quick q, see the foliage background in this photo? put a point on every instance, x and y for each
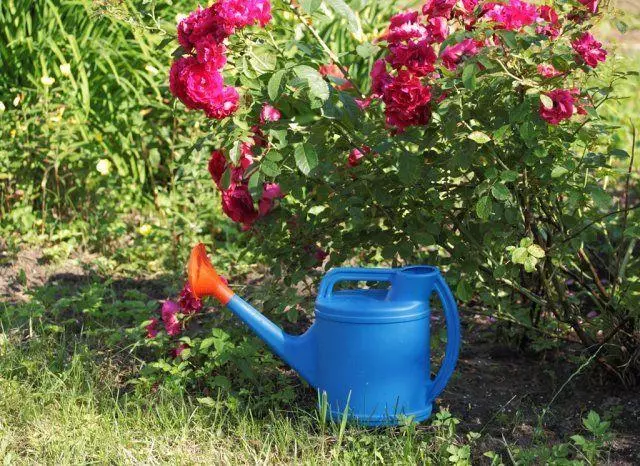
(140, 219)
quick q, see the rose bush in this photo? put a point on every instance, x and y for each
(465, 134)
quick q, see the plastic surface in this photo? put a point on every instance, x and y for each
(203, 278)
(369, 348)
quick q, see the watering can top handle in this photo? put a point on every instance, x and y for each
(453, 338)
(352, 274)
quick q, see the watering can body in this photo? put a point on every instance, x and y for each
(368, 351)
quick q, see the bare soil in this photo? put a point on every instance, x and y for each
(497, 389)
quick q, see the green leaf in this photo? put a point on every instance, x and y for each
(501, 132)
(235, 152)
(262, 60)
(601, 198)
(367, 49)
(317, 209)
(621, 26)
(206, 343)
(546, 101)
(632, 232)
(530, 264)
(479, 137)
(500, 192)
(409, 169)
(353, 22)
(526, 242)
(269, 168)
(225, 179)
(536, 251)
(206, 401)
(310, 6)
(519, 255)
(318, 87)
(275, 84)
(469, 76)
(255, 185)
(557, 172)
(484, 208)
(508, 176)
(306, 158)
(527, 132)
(578, 440)
(464, 292)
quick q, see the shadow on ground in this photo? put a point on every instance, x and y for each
(497, 390)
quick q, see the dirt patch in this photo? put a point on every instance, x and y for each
(502, 391)
(497, 389)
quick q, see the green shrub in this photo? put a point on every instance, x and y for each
(533, 221)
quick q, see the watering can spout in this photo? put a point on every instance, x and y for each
(297, 351)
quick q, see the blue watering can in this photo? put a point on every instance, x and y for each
(368, 349)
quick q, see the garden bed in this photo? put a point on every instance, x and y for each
(497, 390)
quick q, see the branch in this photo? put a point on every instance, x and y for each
(325, 47)
(599, 219)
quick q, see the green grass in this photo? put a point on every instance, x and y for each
(66, 409)
(72, 393)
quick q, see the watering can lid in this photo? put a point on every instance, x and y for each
(368, 306)
(407, 297)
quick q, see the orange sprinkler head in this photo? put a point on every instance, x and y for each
(204, 279)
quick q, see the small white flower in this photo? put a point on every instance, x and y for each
(16, 100)
(65, 69)
(103, 166)
(2, 108)
(47, 81)
(152, 69)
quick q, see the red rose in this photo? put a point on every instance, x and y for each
(562, 108)
(417, 57)
(407, 101)
(237, 204)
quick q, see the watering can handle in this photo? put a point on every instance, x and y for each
(352, 274)
(453, 337)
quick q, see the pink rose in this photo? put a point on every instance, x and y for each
(270, 192)
(438, 8)
(223, 104)
(237, 204)
(406, 17)
(417, 57)
(200, 87)
(242, 13)
(356, 154)
(363, 103)
(592, 5)
(406, 32)
(552, 28)
(188, 302)
(465, 13)
(562, 108)
(269, 113)
(512, 16)
(437, 29)
(589, 49)
(217, 166)
(453, 54)
(379, 77)
(406, 101)
(208, 50)
(201, 23)
(177, 351)
(152, 330)
(548, 71)
(170, 318)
